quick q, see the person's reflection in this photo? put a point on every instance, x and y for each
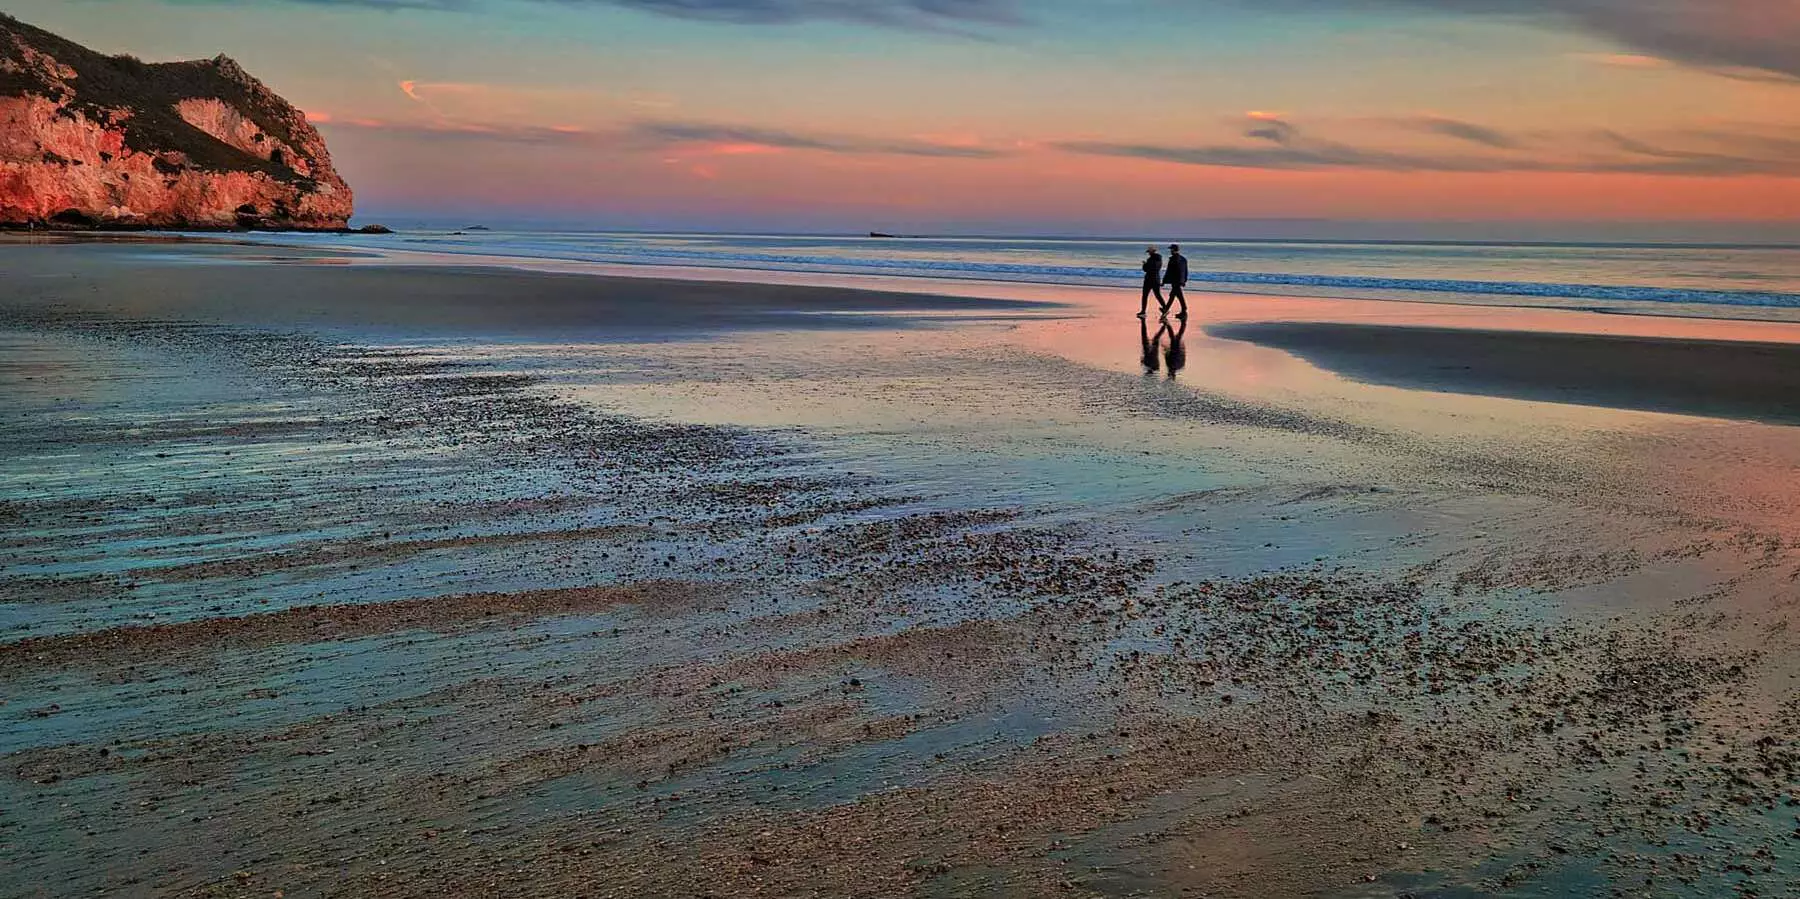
(1150, 345)
(1175, 355)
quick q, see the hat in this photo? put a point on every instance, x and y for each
(1175, 246)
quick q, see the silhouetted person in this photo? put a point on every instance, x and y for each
(1150, 360)
(1153, 266)
(1175, 355)
(1176, 278)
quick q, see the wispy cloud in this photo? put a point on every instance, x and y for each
(1721, 35)
(439, 5)
(1729, 37)
(700, 137)
(1282, 145)
(1465, 131)
(1267, 141)
(1645, 62)
(742, 135)
(449, 130)
(1625, 60)
(932, 15)
(971, 18)
(1319, 155)
(1269, 126)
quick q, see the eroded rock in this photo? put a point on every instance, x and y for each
(94, 141)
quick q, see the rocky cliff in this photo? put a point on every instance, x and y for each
(94, 141)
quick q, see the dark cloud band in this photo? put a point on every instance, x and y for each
(1756, 35)
(1746, 37)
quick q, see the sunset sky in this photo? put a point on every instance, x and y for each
(1058, 116)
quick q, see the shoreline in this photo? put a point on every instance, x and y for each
(1721, 367)
(945, 285)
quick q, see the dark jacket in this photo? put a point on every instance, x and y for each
(1178, 271)
(1153, 268)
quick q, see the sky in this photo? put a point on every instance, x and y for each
(1022, 116)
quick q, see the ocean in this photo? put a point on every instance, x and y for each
(1740, 275)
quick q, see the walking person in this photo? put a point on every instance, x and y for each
(1176, 278)
(1153, 269)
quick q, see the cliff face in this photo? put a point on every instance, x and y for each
(88, 140)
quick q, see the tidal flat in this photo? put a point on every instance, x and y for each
(332, 577)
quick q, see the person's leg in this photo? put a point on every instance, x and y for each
(1162, 305)
(1144, 304)
(1176, 292)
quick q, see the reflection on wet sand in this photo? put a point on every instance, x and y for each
(1151, 346)
(1166, 350)
(798, 605)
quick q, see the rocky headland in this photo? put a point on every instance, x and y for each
(89, 141)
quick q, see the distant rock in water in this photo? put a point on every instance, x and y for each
(94, 141)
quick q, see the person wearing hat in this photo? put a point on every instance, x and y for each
(1153, 269)
(1176, 278)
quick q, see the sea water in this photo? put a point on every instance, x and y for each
(1731, 275)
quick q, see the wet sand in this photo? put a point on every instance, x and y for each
(308, 589)
(1729, 379)
(249, 285)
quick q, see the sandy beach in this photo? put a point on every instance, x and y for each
(329, 577)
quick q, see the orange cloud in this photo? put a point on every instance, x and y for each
(1626, 60)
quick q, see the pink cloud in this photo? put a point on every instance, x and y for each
(737, 149)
